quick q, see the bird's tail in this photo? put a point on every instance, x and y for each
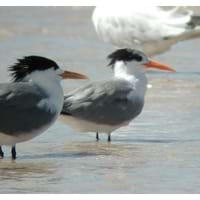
(194, 22)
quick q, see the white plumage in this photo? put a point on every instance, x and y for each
(135, 26)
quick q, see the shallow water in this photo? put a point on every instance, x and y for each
(157, 153)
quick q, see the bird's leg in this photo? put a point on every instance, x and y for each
(97, 136)
(13, 152)
(109, 137)
(1, 153)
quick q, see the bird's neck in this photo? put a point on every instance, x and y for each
(135, 76)
(49, 82)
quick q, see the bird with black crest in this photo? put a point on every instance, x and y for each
(31, 103)
(105, 106)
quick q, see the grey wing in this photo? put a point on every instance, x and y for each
(20, 109)
(110, 102)
(18, 94)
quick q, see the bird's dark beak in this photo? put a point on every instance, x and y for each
(157, 65)
(72, 75)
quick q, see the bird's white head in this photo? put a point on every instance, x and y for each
(46, 74)
(37, 67)
(133, 62)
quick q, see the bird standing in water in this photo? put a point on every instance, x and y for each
(105, 106)
(32, 102)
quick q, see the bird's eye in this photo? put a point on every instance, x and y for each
(138, 58)
(55, 67)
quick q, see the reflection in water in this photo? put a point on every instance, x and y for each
(16, 175)
(20, 169)
(72, 159)
(99, 149)
(157, 153)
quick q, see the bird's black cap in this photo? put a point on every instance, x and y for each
(125, 55)
(30, 64)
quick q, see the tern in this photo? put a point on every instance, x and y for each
(150, 29)
(105, 106)
(31, 103)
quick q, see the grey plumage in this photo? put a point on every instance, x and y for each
(32, 102)
(105, 106)
(21, 109)
(111, 102)
(194, 22)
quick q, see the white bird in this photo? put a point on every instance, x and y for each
(147, 28)
(32, 102)
(108, 105)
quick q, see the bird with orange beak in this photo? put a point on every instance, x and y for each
(105, 106)
(31, 103)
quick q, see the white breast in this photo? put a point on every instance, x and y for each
(6, 139)
(50, 83)
(88, 126)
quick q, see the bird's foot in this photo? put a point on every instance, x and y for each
(97, 136)
(109, 137)
(1, 153)
(13, 152)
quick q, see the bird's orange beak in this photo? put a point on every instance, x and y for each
(72, 75)
(157, 65)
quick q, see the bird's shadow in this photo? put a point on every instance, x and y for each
(145, 141)
(57, 155)
(81, 150)
(161, 141)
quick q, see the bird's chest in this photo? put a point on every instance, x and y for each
(54, 100)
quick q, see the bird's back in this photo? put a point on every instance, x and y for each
(23, 108)
(112, 103)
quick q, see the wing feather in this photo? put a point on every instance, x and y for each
(112, 102)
